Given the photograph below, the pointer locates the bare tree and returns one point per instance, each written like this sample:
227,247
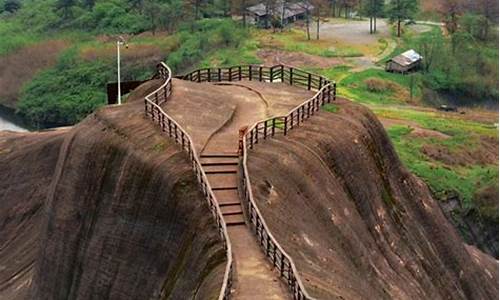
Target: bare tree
450,10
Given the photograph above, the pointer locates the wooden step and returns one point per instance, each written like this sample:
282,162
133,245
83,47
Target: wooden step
221,168
220,155
207,162
227,197
233,220
231,209
222,180
224,188
208,172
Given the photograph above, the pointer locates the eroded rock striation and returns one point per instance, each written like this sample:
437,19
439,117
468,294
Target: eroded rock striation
357,224
120,214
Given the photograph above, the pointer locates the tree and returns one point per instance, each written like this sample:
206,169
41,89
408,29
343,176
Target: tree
429,46
89,4
318,6
65,6
11,6
451,10
307,7
373,8
400,10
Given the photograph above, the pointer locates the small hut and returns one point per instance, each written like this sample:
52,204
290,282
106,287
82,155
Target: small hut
404,63
282,11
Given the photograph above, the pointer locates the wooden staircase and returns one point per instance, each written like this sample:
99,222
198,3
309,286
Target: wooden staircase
222,173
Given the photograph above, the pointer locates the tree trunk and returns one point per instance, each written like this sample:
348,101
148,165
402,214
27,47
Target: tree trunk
399,27
243,12
317,24
371,24
375,23
307,25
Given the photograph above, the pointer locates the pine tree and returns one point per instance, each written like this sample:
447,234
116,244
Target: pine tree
400,10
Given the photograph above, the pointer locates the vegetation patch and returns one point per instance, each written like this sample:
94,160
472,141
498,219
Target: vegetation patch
374,86
330,107
294,40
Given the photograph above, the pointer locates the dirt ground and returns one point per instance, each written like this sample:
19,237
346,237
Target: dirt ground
355,32
297,59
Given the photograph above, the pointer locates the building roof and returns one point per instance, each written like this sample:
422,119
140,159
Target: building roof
290,9
407,58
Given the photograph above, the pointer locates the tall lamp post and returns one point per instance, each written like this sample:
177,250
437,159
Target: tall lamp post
121,41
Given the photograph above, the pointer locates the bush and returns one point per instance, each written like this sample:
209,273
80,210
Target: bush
203,38
376,84
65,94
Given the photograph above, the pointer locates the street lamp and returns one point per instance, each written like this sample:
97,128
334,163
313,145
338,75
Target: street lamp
121,41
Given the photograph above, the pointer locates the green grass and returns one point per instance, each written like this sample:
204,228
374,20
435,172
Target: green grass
296,41
243,55
438,121
443,178
14,37
353,86
330,107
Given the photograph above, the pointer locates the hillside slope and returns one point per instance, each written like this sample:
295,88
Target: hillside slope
123,216
356,222
28,162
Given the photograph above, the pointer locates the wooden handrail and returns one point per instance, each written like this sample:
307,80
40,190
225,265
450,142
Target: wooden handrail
326,92
168,125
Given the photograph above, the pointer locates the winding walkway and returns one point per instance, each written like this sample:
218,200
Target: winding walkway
253,277
255,261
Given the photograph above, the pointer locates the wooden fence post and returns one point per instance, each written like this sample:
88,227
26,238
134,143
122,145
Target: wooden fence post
265,129
209,75
230,74
334,91
282,73
250,72
260,73
271,74
239,72
291,76
286,125
199,76
309,81
273,129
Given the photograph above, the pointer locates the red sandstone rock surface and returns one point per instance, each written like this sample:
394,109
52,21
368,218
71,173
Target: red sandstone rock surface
356,222
109,210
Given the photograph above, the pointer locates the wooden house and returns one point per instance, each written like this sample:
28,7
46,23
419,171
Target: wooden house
404,63
282,12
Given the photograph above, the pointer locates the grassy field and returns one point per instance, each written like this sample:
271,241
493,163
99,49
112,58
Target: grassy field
454,154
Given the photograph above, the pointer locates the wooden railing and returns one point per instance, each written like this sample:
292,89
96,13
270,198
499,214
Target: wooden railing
326,92
169,126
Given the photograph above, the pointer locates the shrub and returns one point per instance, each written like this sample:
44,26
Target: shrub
377,85
19,67
65,94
